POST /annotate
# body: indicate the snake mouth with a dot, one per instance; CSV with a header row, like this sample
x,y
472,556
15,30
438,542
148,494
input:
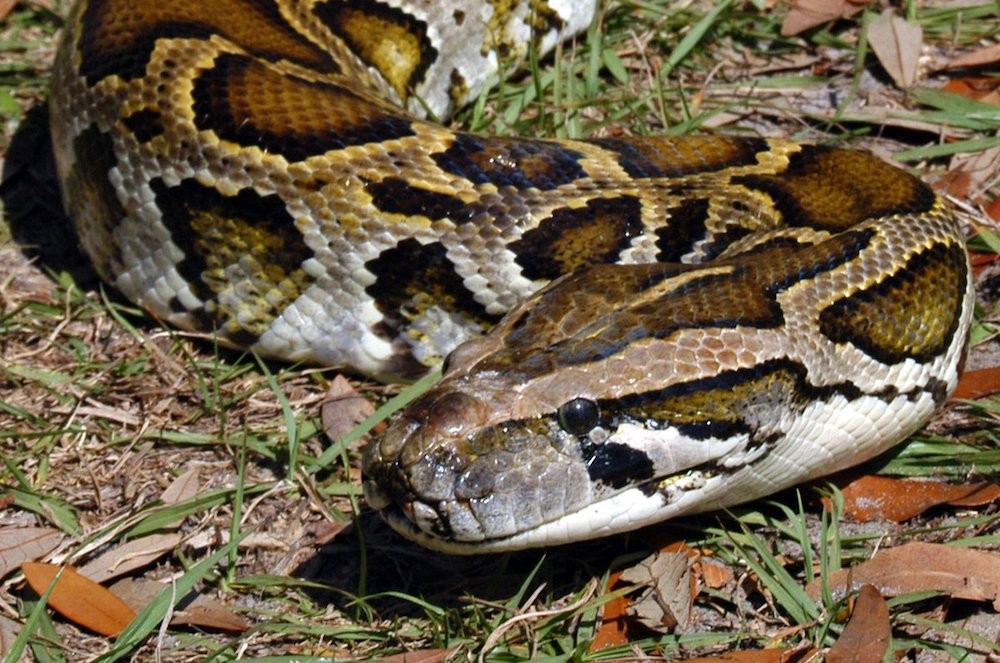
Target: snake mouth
x,y
623,511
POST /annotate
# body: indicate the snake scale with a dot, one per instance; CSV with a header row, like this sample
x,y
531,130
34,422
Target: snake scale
x,y
724,316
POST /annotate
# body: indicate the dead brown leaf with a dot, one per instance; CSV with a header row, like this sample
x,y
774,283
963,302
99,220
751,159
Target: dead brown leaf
x,y
79,599
8,633
961,573
992,209
897,44
714,573
875,498
184,487
669,590
866,636
343,408
806,14
203,611
977,58
25,544
971,174
759,656
130,556
614,620
6,7
978,383
984,89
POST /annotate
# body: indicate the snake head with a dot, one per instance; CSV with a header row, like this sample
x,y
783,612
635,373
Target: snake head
x,y
532,437
625,395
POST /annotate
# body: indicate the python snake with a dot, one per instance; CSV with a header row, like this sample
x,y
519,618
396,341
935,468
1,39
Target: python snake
x,y
726,316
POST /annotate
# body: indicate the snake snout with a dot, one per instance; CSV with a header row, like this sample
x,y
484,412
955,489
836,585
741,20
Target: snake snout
x,y
416,464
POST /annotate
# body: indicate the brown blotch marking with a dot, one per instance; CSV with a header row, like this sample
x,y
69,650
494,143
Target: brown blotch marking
x,y
118,36
515,162
384,37
729,403
684,228
572,238
145,124
667,156
216,232
912,314
91,200
410,278
249,103
397,196
832,189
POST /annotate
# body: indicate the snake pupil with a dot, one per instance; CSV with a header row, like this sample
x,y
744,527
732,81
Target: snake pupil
x,y
579,416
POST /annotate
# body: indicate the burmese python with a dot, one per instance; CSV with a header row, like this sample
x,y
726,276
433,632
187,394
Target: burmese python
x,y
738,314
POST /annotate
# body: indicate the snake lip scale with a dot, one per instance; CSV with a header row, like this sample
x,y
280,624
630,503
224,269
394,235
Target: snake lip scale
x,y
674,324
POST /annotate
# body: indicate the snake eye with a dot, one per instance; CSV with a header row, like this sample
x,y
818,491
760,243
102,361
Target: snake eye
x,y
578,416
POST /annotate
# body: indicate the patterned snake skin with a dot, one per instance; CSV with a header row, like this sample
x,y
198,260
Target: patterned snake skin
x,y
726,316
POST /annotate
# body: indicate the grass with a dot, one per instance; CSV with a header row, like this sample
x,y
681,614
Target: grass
x,y
100,408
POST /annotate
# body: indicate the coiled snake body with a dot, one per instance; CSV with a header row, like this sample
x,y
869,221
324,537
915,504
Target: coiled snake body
x,y
728,316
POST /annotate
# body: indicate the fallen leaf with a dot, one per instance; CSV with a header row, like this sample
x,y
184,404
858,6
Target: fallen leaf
x,y
8,633
866,636
130,556
25,544
977,58
325,531
420,656
971,174
978,383
613,630
806,14
202,611
669,590
760,656
714,573
978,88
208,613
876,498
897,43
184,487
6,7
343,408
992,209
962,573
79,599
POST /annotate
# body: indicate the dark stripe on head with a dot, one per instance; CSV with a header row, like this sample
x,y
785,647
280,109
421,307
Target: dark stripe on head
x,y
668,156
572,238
831,189
384,37
216,233
912,314
118,36
732,402
515,162
249,103
617,465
